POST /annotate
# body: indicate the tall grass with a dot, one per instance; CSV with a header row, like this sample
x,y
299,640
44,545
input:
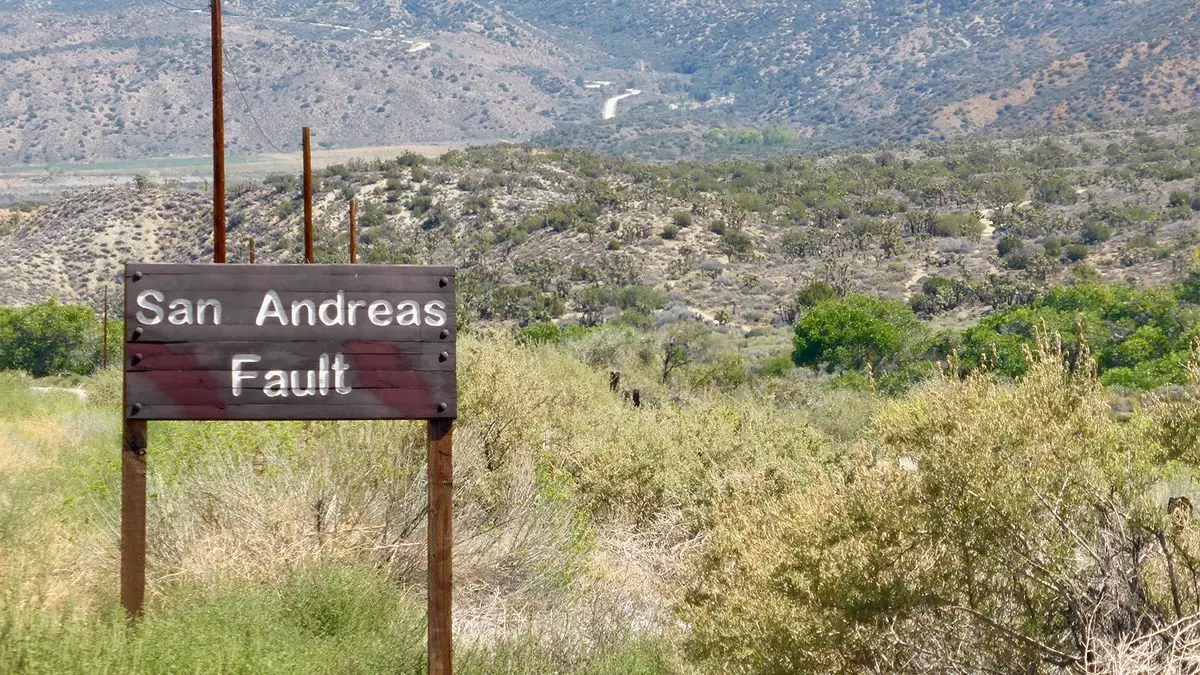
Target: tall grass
x,y
973,524
576,516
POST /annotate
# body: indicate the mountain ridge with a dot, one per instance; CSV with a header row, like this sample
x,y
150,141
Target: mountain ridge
x,y
128,78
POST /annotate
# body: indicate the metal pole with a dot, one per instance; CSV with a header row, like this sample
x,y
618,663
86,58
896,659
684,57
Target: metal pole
x,y
353,232
440,460
308,198
218,88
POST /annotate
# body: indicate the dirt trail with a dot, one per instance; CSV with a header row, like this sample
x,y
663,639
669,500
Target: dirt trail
x,y
610,106
77,391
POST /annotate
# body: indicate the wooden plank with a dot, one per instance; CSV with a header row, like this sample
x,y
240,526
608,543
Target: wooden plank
x,y
194,285
133,517
242,307
388,271
182,385
440,451
217,356
416,410
284,334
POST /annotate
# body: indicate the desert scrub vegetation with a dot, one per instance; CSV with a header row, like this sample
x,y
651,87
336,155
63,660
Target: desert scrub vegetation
x,y
977,523
286,547
984,527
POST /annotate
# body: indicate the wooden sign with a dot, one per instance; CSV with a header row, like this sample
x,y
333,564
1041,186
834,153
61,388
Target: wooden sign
x,y
289,342
292,342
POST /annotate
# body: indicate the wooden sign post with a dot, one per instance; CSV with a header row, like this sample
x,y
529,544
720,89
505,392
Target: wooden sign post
x,y
292,342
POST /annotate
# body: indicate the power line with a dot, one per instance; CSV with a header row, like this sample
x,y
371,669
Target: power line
x,y
236,80
186,9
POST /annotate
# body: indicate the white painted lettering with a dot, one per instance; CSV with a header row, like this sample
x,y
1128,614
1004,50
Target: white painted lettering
x,y
339,375
323,375
338,305
380,312
353,307
409,313
308,305
272,307
146,300
240,360
277,385
181,312
435,313
214,305
311,390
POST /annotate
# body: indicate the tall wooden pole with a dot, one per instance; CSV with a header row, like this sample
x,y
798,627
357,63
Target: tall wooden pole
x,y
218,92
308,198
251,250
133,517
440,462
353,232
104,337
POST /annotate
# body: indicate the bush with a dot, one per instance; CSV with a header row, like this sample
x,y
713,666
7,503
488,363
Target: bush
x,y
815,293
670,232
49,338
1056,189
964,508
736,242
1077,252
856,331
682,219
1007,244
1094,232
957,225
548,333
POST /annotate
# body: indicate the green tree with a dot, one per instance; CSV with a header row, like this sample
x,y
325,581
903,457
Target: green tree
x,y
49,338
856,331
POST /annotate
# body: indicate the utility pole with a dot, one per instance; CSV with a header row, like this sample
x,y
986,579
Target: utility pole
x,y
353,232
218,87
308,198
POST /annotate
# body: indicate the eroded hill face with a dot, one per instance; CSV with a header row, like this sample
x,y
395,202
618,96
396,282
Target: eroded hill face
x,y
543,234
102,80
132,80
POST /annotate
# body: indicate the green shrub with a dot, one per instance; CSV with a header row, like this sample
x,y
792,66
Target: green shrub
x,y
1077,252
1094,232
49,338
1007,244
966,506
815,293
1056,189
957,225
856,331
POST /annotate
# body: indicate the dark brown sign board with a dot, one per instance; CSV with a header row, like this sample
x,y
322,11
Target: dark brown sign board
x,y
292,342
289,342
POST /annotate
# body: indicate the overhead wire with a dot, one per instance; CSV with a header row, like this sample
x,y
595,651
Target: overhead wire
x,y
246,102
237,81
186,9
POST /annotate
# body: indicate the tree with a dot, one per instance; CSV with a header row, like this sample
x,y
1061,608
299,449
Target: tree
x,y
683,344
856,331
49,338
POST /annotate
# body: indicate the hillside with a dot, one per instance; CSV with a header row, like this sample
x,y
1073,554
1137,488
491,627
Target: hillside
x,y
131,79
93,81
546,234
902,70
